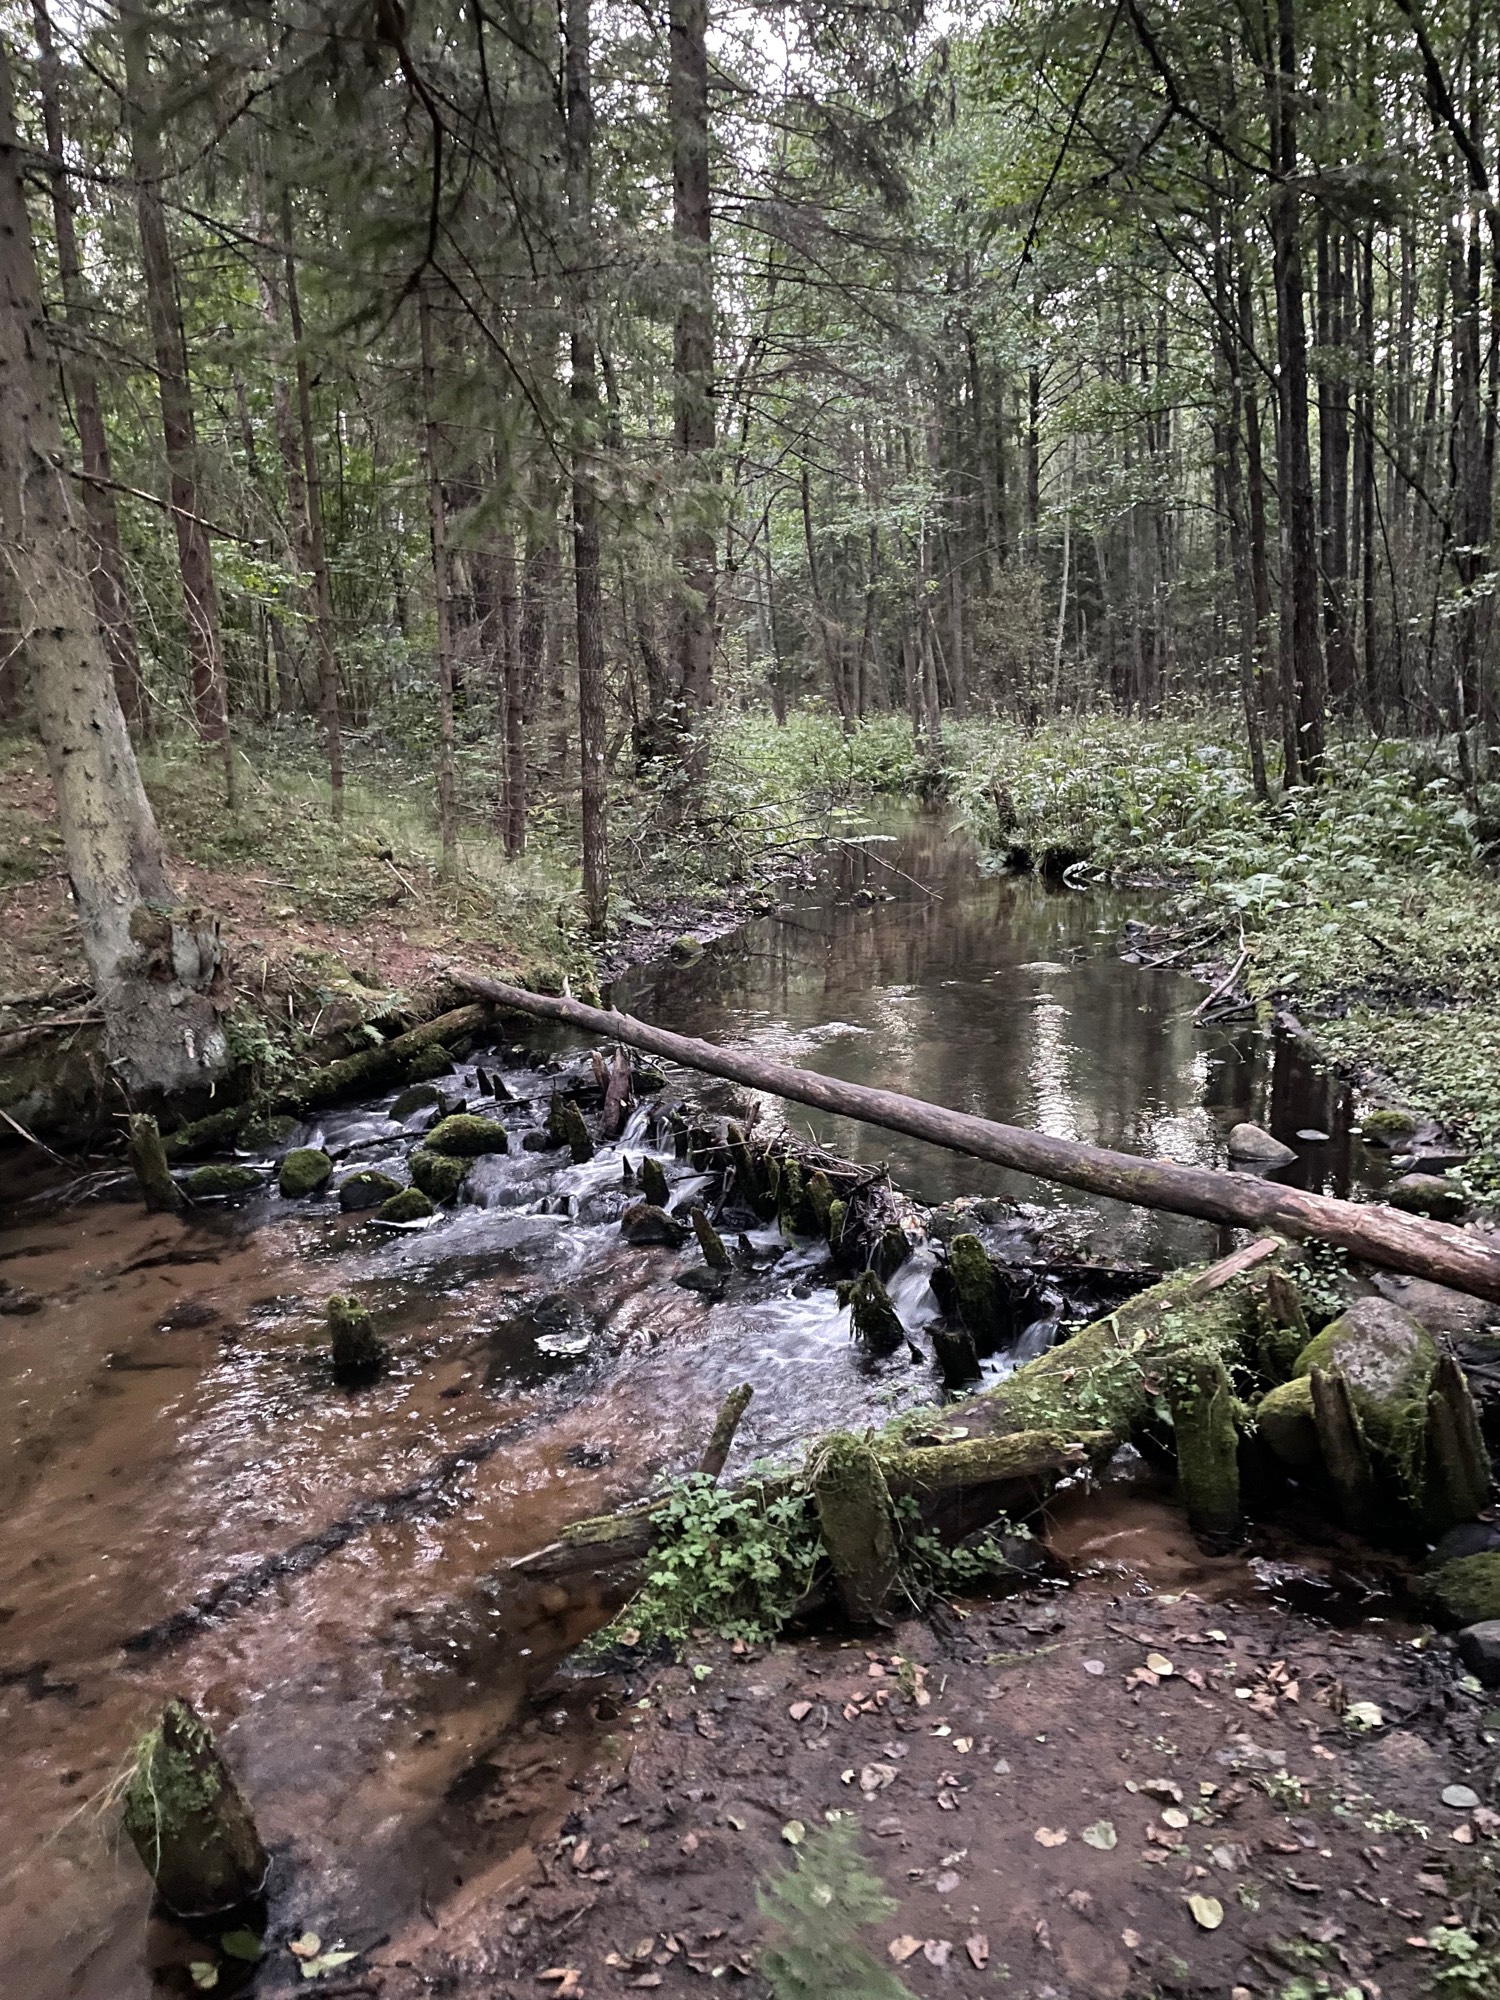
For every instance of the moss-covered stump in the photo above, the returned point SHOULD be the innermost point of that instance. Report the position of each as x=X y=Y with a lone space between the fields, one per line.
x=359 y=1354
x=1345 y=1450
x=654 y=1184
x=148 y=1162
x=1284 y=1418
x=575 y=1133
x=1459 y=1481
x=305 y=1170
x=1208 y=1462
x=1466 y=1591
x=976 y=1292
x=206 y=1183
x=791 y=1197
x=467 y=1137
x=438 y=1175
x=874 y=1323
x=857 y=1523
x=755 y=1174
x=710 y=1242
x=818 y=1198
x=187 y=1821
x=411 y=1205
x=644 y=1223
x=367 y=1189
x=1283 y=1328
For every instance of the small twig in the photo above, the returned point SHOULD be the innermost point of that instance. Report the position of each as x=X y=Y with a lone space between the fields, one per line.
x=32 y=1140
x=399 y=876
x=1226 y=985
x=855 y=847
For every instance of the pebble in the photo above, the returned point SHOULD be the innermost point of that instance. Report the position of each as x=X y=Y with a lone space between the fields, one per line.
x=1460 y=1797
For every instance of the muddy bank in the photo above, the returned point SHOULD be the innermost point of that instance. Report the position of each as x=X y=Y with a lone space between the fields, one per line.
x=1143 y=1782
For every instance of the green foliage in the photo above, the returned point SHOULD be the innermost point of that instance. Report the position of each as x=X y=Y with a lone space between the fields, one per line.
x=818 y=1908
x=735 y=1561
x=931 y=1568
x=1465 y=1964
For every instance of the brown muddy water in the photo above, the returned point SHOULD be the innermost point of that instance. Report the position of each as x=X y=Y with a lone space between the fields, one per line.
x=192 y=1506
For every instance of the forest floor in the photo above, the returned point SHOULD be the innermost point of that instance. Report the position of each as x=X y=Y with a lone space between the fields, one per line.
x=1139 y=1783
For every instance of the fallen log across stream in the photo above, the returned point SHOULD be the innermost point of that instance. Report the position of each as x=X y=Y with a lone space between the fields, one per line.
x=1381 y=1236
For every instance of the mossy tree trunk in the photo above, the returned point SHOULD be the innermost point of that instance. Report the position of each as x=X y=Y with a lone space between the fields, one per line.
x=188 y=1822
x=857 y=1523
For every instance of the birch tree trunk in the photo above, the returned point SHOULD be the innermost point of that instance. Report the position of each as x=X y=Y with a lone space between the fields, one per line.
x=155 y=968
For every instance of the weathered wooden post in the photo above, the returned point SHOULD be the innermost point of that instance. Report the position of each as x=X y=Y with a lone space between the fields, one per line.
x=874 y=1321
x=575 y=1133
x=731 y=1411
x=710 y=1242
x=1208 y=1469
x=359 y=1354
x=148 y=1161
x=654 y=1183
x=188 y=1822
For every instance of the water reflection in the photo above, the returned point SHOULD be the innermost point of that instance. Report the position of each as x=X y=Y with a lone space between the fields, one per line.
x=1006 y=996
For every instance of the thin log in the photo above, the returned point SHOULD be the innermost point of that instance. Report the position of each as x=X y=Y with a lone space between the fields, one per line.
x=352 y=1072
x=731 y=1413
x=1380 y=1235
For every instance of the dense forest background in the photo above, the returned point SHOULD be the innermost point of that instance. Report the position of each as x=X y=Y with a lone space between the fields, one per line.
x=520 y=393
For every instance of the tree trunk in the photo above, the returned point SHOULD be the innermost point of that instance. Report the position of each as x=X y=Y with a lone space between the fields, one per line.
x=513 y=696
x=107 y=574
x=154 y=969
x=693 y=346
x=587 y=575
x=442 y=587
x=179 y=429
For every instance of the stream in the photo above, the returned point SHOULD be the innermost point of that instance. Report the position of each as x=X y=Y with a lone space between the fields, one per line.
x=192 y=1506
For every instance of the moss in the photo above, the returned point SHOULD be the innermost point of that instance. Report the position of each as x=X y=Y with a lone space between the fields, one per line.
x=367 y=1189
x=686 y=948
x=305 y=1170
x=1385 y=1126
x=654 y=1184
x=411 y=1205
x=791 y=1196
x=857 y=1523
x=466 y=1137
x=1467 y=1590
x=709 y=1241
x=1428 y=1194
x=438 y=1175
x=1284 y=1419
x=427 y=1064
x=819 y=1197
x=574 y=1131
x=359 y=1354
x=186 y=1819
x=1208 y=1468
x=266 y=1131
x=206 y=1182
x=838 y=1215
x=874 y=1322
x=976 y=1290
x=416 y=1097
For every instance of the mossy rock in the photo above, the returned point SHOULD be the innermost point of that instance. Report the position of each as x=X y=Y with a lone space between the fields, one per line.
x=1428 y=1194
x=305 y=1170
x=411 y=1205
x=367 y=1189
x=1389 y=1361
x=261 y=1134
x=438 y=1175
x=465 y=1136
x=1284 y=1419
x=359 y=1354
x=646 y=1078
x=1386 y=1126
x=415 y=1097
x=976 y=1291
x=1466 y=1591
x=644 y=1223
x=206 y=1182
x=428 y=1063
x=686 y=948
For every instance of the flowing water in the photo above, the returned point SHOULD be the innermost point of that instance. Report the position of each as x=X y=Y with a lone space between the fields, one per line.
x=192 y=1506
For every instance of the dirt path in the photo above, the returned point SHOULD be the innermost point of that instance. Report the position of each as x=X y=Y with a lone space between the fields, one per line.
x=1042 y=1798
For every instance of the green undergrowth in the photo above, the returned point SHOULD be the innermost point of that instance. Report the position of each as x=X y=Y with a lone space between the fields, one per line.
x=1369 y=906
x=817 y=1911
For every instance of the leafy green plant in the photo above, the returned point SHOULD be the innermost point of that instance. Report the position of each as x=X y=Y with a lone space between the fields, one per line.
x=1464 y=1963
x=818 y=1908
x=734 y=1561
x=931 y=1569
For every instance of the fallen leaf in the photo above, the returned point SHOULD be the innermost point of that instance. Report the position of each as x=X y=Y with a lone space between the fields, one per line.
x=205 y=1974
x=1464 y=1835
x=328 y=1961
x=947 y=1882
x=689 y=1844
x=978 y=1948
x=1050 y=1836
x=875 y=1777
x=794 y=1832
x=581 y=1854
x=1093 y=1666
x=903 y=1948
x=1131 y=1940
x=937 y=1951
x=1208 y=1912
x=963 y=1745
x=306 y=1946
x=1079 y=1900
x=800 y=1710
x=241 y=1944
x=1101 y=1835
x=1161 y=1788
x=1159 y=1665
x=947 y=1802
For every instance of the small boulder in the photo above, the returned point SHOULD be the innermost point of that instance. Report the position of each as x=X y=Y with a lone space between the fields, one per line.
x=535 y=1142
x=305 y=1170
x=465 y=1137
x=1479 y=1649
x=367 y=1189
x=206 y=1182
x=643 y=1222
x=1253 y=1146
x=1429 y=1195
x=416 y=1097
x=646 y=1077
x=411 y=1205
x=1466 y=1592
x=686 y=948
x=438 y=1175
x=1388 y=1360
x=1385 y=1126
x=1284 y=1418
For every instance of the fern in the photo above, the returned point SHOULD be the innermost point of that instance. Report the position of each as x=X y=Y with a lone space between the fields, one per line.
x=819 y=1906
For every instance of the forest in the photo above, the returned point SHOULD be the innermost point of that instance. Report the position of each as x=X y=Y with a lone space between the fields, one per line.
x=750 y=997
